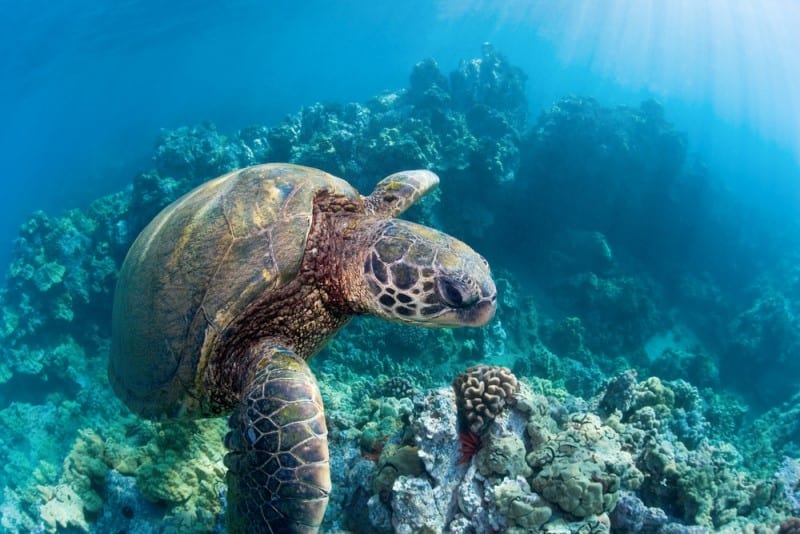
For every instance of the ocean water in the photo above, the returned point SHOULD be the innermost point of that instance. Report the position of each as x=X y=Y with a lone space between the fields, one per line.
x=630 y=171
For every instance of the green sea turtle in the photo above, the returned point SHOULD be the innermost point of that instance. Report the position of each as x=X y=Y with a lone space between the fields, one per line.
x=230 y=289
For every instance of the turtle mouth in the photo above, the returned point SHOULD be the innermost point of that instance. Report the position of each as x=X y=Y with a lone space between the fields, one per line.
x=477 y=310
x=479 y=314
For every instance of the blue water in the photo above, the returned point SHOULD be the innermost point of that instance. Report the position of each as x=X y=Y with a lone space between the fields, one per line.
x=86 y=85
x=87 y=88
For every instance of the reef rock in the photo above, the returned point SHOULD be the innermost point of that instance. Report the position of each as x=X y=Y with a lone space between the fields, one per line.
x=513 y=483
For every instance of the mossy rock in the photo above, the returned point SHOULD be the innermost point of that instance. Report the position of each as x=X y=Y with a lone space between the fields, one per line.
x=502 y=456
x=62 y=510
x=396 y=461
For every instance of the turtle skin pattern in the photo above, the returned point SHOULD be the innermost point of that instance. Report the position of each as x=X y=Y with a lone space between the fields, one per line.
x=278 y=472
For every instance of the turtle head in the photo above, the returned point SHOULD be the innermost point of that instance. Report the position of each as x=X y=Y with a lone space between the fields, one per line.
x=414 y=274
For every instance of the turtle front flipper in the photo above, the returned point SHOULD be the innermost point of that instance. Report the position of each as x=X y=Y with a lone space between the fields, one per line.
x=394 y=194
x=278 y=471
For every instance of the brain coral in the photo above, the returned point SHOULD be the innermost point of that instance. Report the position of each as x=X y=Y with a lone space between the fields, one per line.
x=482 y=392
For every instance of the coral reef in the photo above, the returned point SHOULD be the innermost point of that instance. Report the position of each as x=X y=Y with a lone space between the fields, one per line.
x=548 y=464
x=583 y=214
x=630 y=515
x=790 y=526
x=196 y=152
x=764 y=338
x=172 y=474
x=126 y=510
x=398 y=387
x=582 y=468
x=62 y=276
x=788 y=480
x=688 y=475
x=618 y=164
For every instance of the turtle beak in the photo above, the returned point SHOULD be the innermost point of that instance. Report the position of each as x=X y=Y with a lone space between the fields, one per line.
x=483 y=310
x=479 y=313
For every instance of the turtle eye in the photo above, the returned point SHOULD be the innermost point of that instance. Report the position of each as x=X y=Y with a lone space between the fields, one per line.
x=454 y=293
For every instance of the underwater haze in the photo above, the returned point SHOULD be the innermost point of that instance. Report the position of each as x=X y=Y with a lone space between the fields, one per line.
x=87 y=84
x=629 y=169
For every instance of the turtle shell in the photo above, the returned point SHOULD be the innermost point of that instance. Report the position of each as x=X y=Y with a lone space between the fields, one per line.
x=195 y=268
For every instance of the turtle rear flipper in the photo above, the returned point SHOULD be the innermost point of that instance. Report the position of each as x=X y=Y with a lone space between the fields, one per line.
x=278 y=470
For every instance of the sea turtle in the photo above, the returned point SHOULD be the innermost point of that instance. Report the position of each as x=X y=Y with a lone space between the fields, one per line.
x=230 y=289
